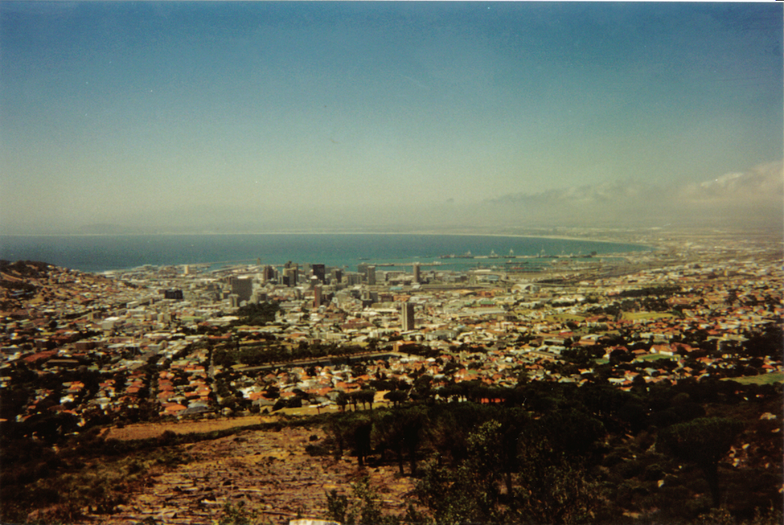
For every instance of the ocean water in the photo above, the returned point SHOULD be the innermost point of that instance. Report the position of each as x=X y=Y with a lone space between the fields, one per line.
x=96 y=253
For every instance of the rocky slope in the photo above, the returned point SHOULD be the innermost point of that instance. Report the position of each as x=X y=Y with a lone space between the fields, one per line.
x=270 y=472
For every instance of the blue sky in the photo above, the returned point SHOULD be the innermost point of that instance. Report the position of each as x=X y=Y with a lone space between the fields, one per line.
x=253 y=116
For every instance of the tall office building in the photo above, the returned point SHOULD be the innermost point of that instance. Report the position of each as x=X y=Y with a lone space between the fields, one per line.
x=408 y=316
x=242 y=287
x=316 y=296
x=319 y=271
x=417 y=274
x=371 y=275
x=337 y=275
x=353 y=278
x=291 y=276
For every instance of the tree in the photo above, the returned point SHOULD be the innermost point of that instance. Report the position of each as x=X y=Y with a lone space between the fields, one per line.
x=413 y=425
x=396 y=396
x=704 y=441
x=365 y=396
x=362 y=440
x=766 y=343
x=547 y=488
x=553 y=489
x=388 y=431
x=572 y=432
x=486 y=461
x=342 y=400
x=364 y=507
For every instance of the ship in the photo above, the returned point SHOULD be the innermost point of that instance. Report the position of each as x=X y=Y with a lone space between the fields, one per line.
x=466 y=255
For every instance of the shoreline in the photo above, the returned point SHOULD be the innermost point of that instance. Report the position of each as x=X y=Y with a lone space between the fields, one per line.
x=598 y=235
x=36 y=247
x=343 y=233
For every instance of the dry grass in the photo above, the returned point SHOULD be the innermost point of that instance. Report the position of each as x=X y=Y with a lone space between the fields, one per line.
x=636 y=316
x=151 y=430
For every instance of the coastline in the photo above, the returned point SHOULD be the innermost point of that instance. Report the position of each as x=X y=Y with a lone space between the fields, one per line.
x=602 y=239
x=647 y=237
x=106 y=252
x=100 y=252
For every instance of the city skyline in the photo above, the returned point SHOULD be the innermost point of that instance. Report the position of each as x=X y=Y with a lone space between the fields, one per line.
x=191 y=116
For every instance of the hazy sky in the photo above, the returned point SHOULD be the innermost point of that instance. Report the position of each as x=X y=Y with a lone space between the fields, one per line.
x=218 y=116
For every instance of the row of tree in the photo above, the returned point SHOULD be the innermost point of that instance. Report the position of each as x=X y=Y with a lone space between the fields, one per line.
x=273 y=352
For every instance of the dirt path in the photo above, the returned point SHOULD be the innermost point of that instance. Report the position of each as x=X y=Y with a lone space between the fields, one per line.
x=149 y=430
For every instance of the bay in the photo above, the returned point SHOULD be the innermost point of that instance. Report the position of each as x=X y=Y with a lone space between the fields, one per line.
x=96 y=253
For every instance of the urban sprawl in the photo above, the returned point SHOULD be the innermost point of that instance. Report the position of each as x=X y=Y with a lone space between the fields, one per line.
x=192 y=341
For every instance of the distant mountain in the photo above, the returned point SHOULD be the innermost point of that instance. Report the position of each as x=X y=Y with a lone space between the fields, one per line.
x=103 y=229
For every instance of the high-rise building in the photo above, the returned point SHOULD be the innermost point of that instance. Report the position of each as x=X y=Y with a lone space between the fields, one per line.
x=337 y=275
x=407 y=314
x=319 y=271
x=353 y=278
x=268 y=274
x=417 y=274
x=371 y=275
x=291 y=275
x=242 y=287
x=316 y=296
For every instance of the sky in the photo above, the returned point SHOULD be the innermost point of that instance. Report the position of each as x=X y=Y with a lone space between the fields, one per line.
x=262 y=116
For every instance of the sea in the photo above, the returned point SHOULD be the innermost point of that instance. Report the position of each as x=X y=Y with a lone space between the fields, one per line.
x=100 y=253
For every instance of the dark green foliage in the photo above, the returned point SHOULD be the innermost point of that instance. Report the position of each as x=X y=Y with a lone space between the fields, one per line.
x=363 y=508
x=396 y=396
x=388 y=435
x=269 y=351
x=365 y=396
x=236 y=515
x=258 y=314
x=337 y=506
x=402 y=431
x=768 y=342
x=544 y=488
x=563 y=454
x=663 y=291
x=572 y=432
x=704 y=441
x=362 y=440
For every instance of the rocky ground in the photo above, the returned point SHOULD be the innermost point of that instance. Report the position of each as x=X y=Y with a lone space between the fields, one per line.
x=270 y=472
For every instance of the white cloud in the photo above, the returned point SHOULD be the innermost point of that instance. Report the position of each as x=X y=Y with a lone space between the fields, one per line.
x=762 y=183
x=753 y=198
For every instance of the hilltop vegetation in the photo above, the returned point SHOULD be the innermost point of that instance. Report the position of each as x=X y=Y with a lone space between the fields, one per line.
x=543 y=453
x=589 y=454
